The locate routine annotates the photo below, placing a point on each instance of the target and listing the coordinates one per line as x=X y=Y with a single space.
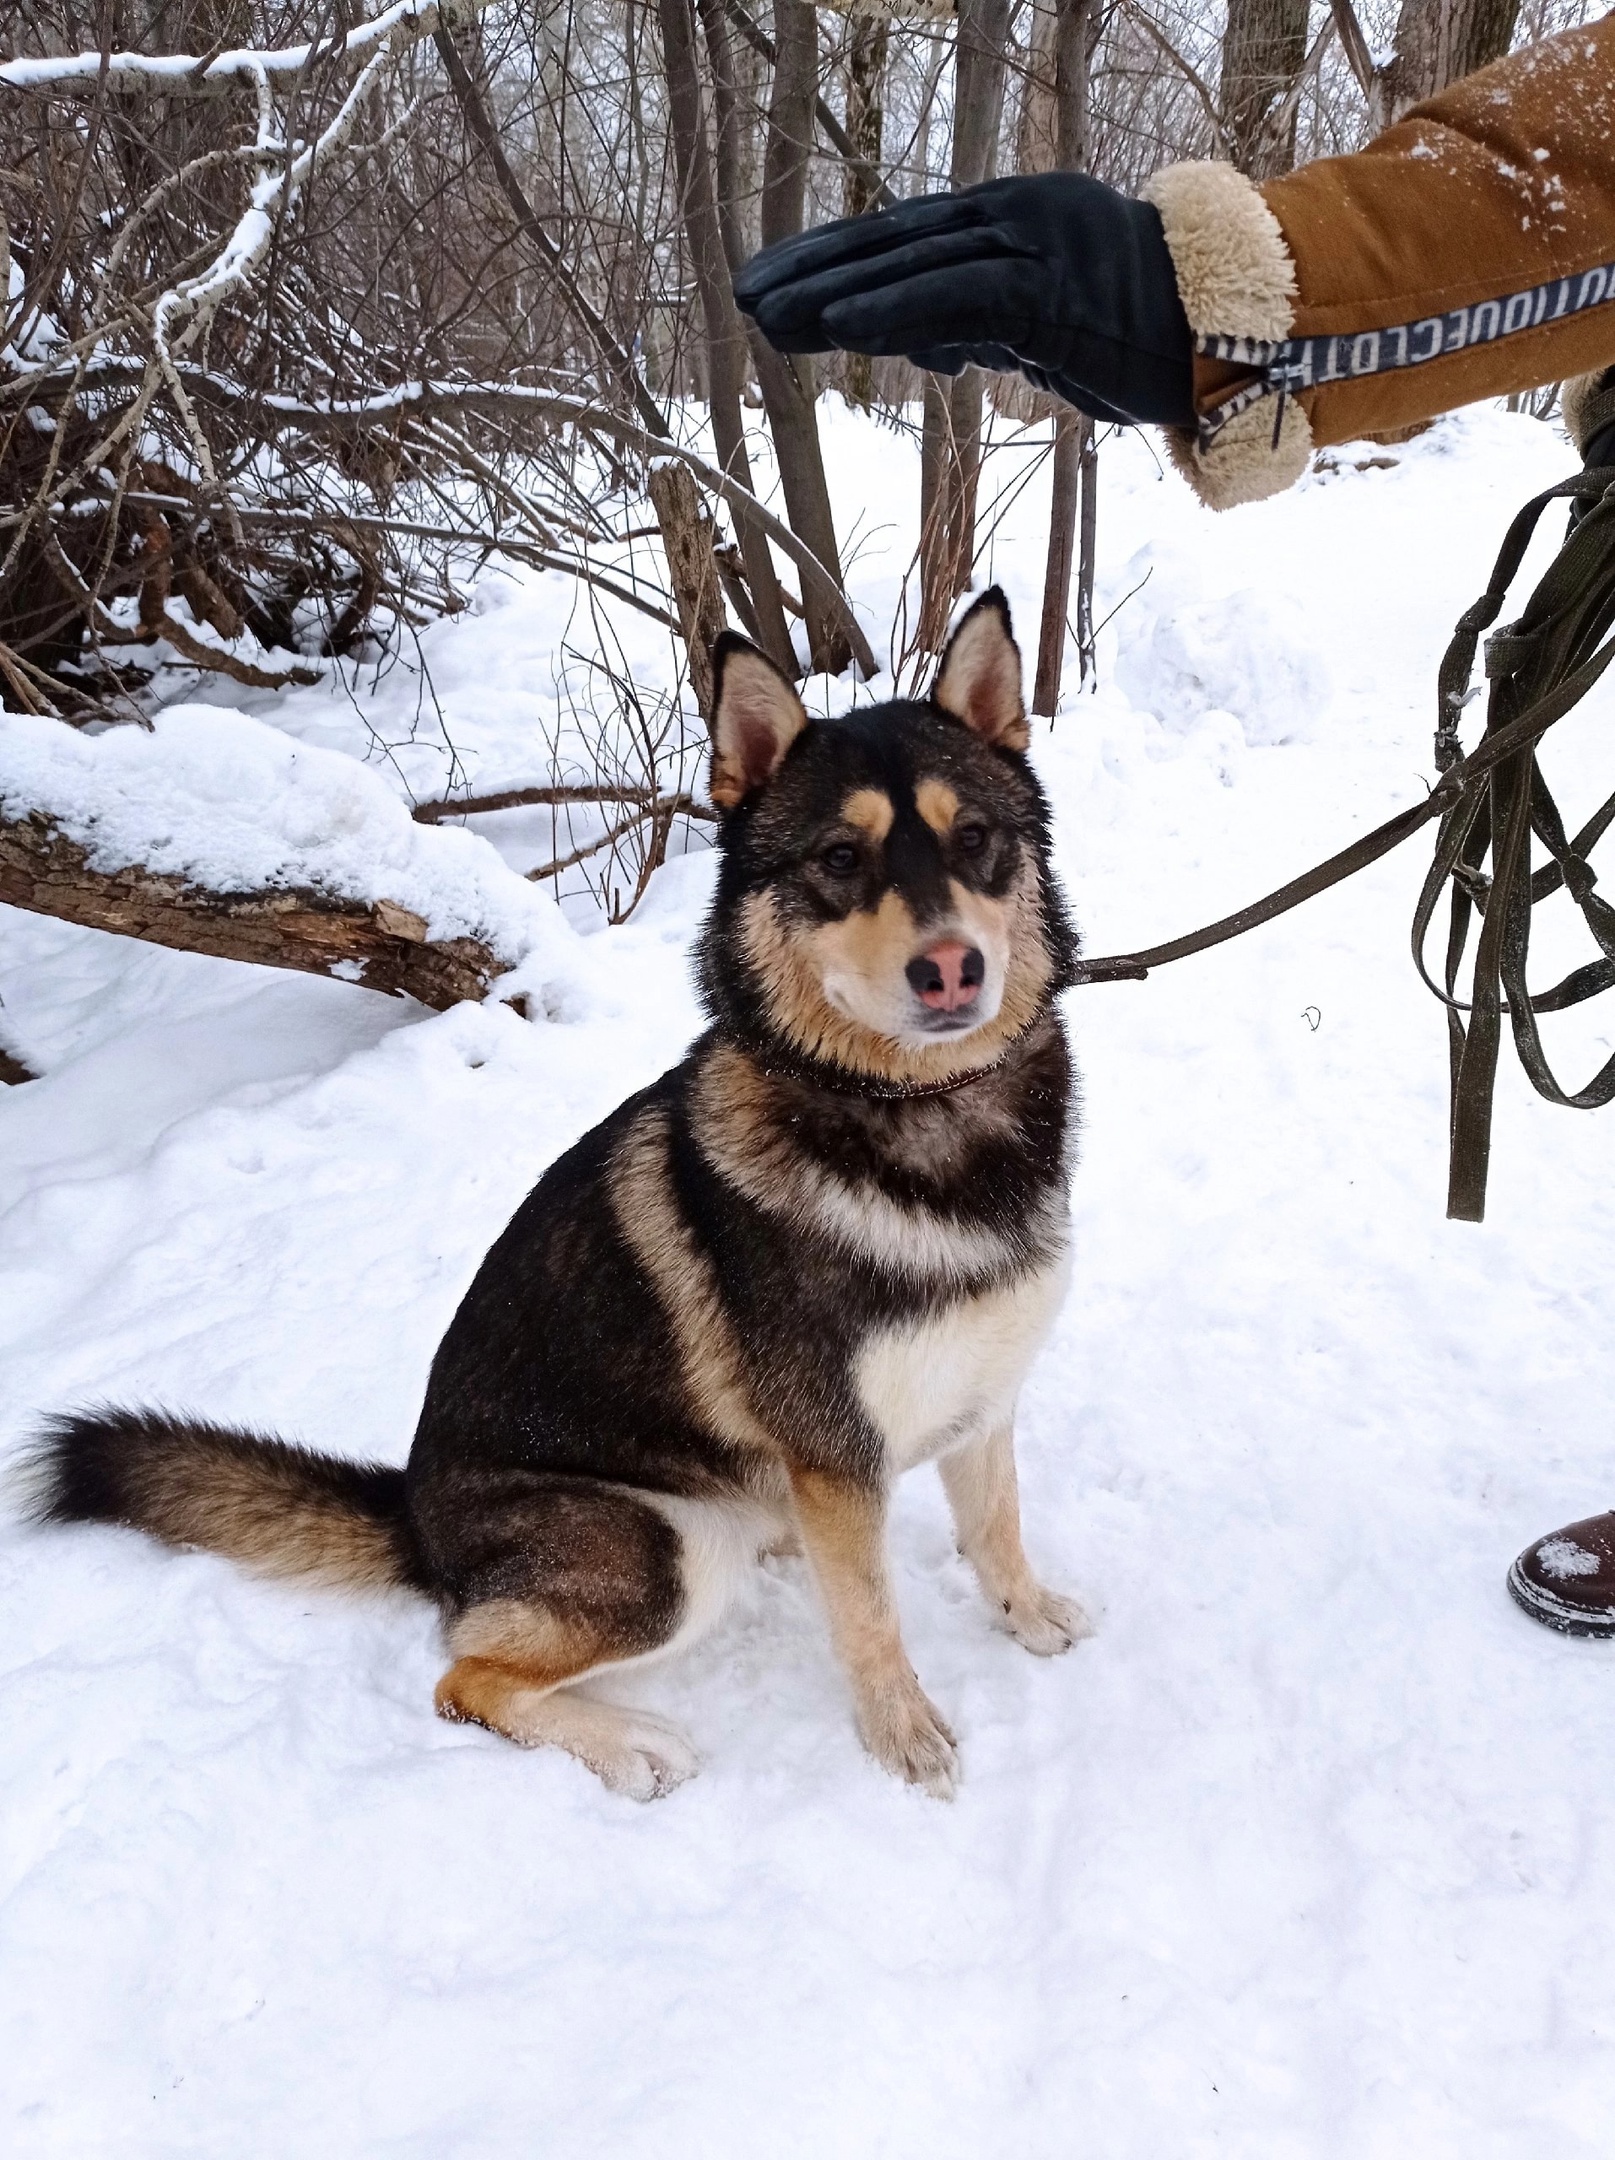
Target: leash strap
x=1489 y=803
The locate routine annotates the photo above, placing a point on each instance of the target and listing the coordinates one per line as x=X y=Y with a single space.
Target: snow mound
x=224 y=801
x=1250 y=653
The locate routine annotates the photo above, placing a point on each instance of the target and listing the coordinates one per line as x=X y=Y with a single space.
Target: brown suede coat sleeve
x=1503 y=183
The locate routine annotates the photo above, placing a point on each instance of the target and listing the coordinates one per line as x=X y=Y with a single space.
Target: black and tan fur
x=821 y=1249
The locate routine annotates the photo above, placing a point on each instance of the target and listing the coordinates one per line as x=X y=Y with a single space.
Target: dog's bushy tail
x=275 y=1508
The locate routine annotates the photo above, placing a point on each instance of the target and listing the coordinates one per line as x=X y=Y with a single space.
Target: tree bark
x=1063 y=502
x=383 y=947
x=787 y=396
x=978 y=104
x=1436 y=42
x=727 y=147
x=866 y=74
x=834 y=133
x=687 y=537
x=1263 y=48
x=725 y=338
x=948 y=536
x=936 y=464
x=1087 y=548
x=786 y=381
x=1062 y=77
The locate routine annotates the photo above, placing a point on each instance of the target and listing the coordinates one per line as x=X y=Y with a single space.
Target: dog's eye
x=840 y=860
x=971 y=838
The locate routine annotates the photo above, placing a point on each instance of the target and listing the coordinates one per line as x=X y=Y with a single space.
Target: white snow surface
x=1309 y=1852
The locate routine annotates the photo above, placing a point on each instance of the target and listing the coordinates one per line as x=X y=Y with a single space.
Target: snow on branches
x=189 y=75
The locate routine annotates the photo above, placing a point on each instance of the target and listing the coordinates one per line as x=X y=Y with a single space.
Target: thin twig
x=664 y=805
x=525 y=798
x=1185 y=67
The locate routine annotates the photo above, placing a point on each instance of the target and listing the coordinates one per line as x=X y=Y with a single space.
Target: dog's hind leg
x=984 y=1494
x=518 y=1672
x=571 y=1578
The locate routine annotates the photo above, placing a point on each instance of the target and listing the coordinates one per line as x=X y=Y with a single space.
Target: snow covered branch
x=203 y=75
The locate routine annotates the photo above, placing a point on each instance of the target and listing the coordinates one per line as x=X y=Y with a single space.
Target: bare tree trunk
x=978 y=104
x=936 y=458
x=728 y=146
x=47 y=873
x=1073 y=55
x=1068 y=430
x=953 y=423
x=1035 y=126
x=790 y=120
x=725 y=338
x=786 y=384
x=1263 y=48
x=692 y=568
x=1076 y=465
x=786 y=380
x=1087 y=550
x=1436 y=42
x=866 y=71
x=936 y=462
x=1073 y=532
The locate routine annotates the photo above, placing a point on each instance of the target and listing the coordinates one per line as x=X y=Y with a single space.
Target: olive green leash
x=1488 y=805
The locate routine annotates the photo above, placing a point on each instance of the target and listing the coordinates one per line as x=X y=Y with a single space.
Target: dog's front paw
x=907 y=1734
x=1044 y=1622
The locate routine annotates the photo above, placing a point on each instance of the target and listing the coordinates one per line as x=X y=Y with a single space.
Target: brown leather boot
x=1567 y=1581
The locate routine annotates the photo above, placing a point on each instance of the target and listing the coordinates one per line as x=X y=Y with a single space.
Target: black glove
x=1056 y=276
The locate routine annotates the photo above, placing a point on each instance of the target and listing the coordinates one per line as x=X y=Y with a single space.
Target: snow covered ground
x=1310 y=1851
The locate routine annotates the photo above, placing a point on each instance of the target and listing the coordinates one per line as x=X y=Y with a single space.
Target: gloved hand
x=1056 y=276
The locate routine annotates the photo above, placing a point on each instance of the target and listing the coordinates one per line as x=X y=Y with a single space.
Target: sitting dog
x=821 y=1249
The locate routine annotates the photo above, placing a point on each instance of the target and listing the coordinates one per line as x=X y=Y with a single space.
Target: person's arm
x=1467 y=252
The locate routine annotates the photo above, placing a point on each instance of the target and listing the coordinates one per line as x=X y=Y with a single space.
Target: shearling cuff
x=1588 y=404
x=1244 y=464
x=1235 y=275
x=1236 y=280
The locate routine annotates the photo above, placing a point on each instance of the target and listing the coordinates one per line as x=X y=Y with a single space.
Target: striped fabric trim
x=1293 y=364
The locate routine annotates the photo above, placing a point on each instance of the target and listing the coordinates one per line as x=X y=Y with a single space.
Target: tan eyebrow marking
x=870 y=809
x=937 y=804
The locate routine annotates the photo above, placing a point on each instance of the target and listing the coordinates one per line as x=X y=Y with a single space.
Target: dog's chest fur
x=930 y=1384
x=921 y=1249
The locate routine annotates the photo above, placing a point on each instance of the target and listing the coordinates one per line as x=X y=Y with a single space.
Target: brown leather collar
x=836 y=1080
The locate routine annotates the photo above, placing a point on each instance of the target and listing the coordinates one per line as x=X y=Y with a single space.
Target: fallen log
x=378 y=944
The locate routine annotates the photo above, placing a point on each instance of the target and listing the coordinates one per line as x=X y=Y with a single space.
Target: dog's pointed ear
x=756 y=716
x=980 y=678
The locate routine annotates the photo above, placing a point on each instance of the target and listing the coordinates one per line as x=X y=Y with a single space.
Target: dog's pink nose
x=946 y=976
